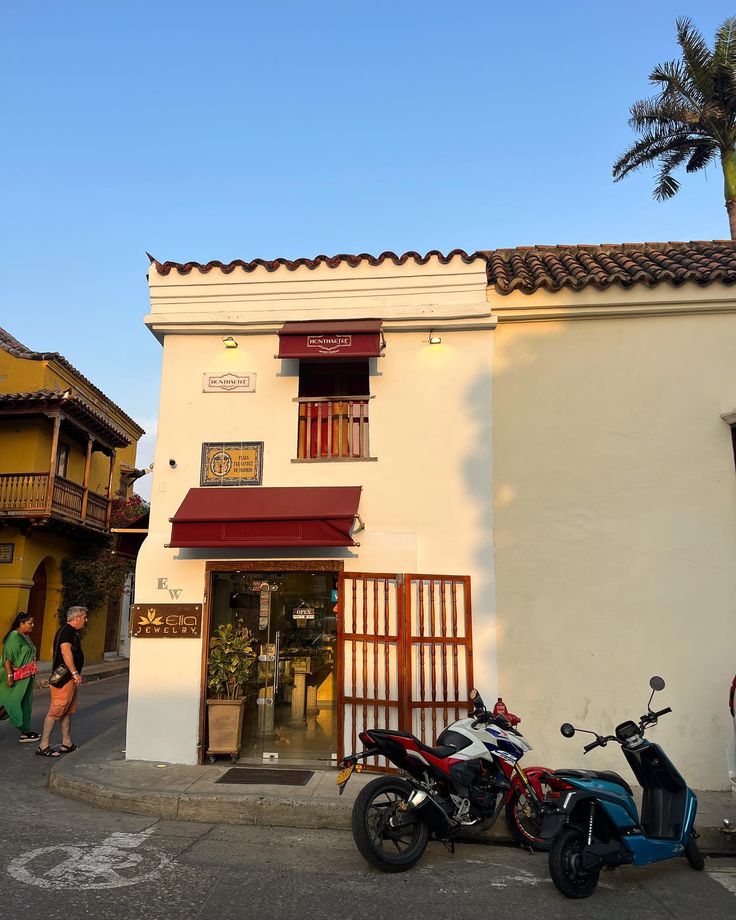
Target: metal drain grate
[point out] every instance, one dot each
(266, 777)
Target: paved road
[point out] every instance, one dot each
(60, 859)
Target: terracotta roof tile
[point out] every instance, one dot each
(184, 268)
(11, 345)
(531, 268)
(73, 405)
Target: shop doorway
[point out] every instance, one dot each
(37, 605)
(290, 710)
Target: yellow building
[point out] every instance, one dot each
(66, 453)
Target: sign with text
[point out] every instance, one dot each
(234, 463)
(7, 551)
(303, 612)
(166, 621)
(330, 344)
(223, 382)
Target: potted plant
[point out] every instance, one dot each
(229, 665)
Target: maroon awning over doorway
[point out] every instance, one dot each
(266, 516)
(348, 338)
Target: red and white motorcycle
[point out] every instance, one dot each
(463, 782)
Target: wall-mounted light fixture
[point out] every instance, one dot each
(434, 339)
(229, 342)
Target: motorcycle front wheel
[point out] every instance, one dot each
(524, 821)
(693, 854)
(387, 837)
(565, 865)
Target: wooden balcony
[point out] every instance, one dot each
(26, 496)
(333, 429)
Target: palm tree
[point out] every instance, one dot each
(692, 120)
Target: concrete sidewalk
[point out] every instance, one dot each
(99, 775)
(113, 667)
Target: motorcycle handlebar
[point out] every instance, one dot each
(593, 744)
(663, 712)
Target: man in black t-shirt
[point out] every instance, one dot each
(67, 651)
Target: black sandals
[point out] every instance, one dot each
(47, 752)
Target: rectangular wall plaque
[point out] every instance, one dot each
(233, 463)
(166, 621)
(7, 551)
(225, 382)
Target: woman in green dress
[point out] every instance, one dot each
(17, 676)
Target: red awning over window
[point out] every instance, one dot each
(349, 338)
(311, 516)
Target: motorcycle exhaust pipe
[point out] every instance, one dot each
(429, 811)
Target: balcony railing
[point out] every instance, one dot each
(333, 429)
(26, 495)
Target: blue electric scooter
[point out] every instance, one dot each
(595, 823)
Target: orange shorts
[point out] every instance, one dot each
(63, 701)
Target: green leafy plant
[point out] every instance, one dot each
(94, 576)
(230, 662)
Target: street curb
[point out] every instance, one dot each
(713, 842)
(43, 684)
(252, 810)
(208, 809)
(266, 811)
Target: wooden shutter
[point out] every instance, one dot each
(438, 652)
(370, 625)
(405, 656)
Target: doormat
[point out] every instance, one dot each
(265, 777)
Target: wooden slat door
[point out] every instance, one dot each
(438, 652)
(405, 655)
(371, 679)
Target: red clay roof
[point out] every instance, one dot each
(72, 405)
(10, 344)
(163, 268)
(530, 268)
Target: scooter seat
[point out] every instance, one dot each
(607, 775)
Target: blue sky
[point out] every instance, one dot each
(241, 130)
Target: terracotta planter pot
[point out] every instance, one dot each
(224, 727)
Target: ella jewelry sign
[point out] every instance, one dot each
(235, 463)
(217, 382)
(166, 621)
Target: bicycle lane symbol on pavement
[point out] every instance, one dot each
(113, 863)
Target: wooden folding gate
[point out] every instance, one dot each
(405, 654)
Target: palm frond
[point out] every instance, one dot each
(666, 185)
(724, 51)
(676, 84)
(651, 148)
(667, 113)
(696, 55)
(703, 154)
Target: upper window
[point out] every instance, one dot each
(333, 378)
(333, 410)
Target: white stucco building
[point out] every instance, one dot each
(509, 469)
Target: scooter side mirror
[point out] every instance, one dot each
(656, 683)
(567, 730)
(473, 695)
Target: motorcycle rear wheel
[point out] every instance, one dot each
(389, 847)
(564, 865)
(523, 822)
